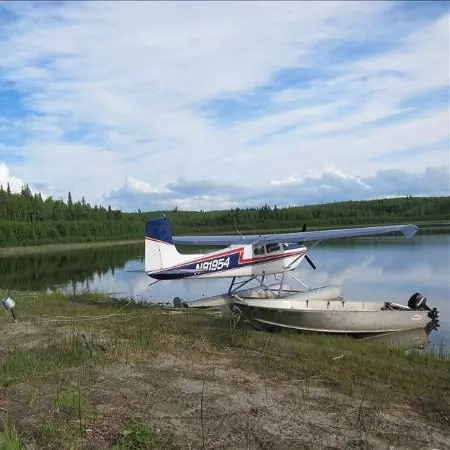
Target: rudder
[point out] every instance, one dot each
(160, 251)
(158, 229)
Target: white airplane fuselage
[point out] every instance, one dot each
(163, 261)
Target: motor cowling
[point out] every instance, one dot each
(418, 301)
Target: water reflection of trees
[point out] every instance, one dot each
(43, 270)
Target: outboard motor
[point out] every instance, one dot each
(418, 301)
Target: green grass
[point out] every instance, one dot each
(47, 357)
(9, 438)
(138, 435)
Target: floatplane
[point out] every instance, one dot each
(248, 257)
(256, 256)
(245, 256)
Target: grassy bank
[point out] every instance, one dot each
(85, 372)
(11, 251)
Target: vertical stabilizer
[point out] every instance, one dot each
(160, 251)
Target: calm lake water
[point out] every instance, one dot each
(367, 269)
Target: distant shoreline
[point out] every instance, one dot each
(438, 227)
(29, 249)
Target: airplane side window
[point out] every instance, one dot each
(272, 248)
(259, 250)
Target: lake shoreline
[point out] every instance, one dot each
(425, 228)
(89, 371)
(13, 251)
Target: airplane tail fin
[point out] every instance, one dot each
(160, 251)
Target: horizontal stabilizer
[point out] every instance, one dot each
(175, 274)
(185, 271)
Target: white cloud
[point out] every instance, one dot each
(330, 185)
(134, 184)
(118, 92)
(15, 184)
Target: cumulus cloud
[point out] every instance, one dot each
(236, 92)
(328, 186)
(15, 184)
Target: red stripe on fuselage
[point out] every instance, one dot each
(268, 257)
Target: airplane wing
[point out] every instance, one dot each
(299, 237)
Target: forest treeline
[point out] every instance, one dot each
(28, 219)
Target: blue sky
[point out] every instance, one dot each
(154, 105)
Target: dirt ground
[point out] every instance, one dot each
(205, 400)
(212, 404)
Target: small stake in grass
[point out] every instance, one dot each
(9, 304)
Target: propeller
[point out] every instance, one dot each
(310, 262)
(306, 256)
